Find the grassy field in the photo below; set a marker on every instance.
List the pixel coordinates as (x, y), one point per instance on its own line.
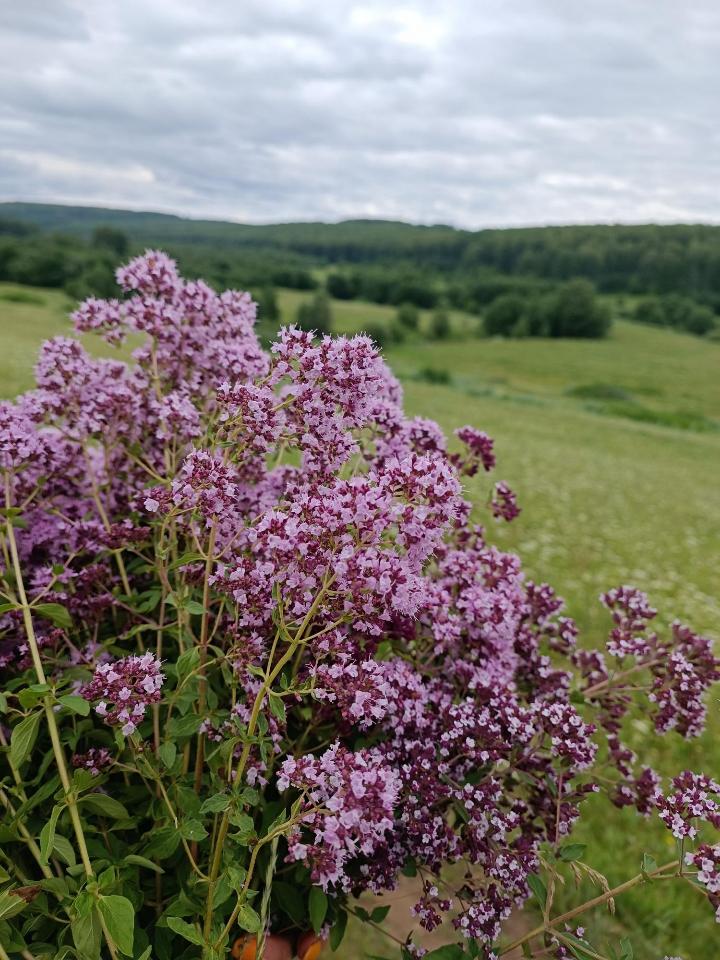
(614, 450)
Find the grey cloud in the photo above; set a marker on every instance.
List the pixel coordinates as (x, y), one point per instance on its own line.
(476, 113)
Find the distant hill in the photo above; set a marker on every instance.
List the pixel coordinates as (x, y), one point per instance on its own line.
(349, 239)
(644, 259)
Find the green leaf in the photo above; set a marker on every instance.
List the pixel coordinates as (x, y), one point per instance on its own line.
(47, 834)
(572, 851)
(65, 850)
(75, 703)
(186, 558)
(248, 919)
(87, 933)
(187, 662)
(4, 875)
(163, 843)
(216, 804)
(450, 951)
(338, 930)
(379, 914)
(105, 805)
(192, 830)
(119, 916)
(54, 612)
(192, 606)
(143, 862)
(223, 890)
(168, 752)
(29, 698)
(576, 946)
(626, 949)
(184, 726)
(185, 929)
(277, 708)
(649, 864)
(538, 888)
(149, 601)
(289, 900)
(384, 650)
(10, 904)
(236, 876)
(242, 821)
(23, 739)
(317, 907)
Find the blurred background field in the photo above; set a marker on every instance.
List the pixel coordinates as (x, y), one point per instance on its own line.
(613, 447)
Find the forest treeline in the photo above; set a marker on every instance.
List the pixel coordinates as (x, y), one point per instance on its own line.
(674, 269)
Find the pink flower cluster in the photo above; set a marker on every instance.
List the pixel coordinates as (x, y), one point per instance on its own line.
(350, 802)
(442, 676)
(707, 861)
(125, 688)
(631, 613)
(96, 760)
(480, 449)
(696, 797)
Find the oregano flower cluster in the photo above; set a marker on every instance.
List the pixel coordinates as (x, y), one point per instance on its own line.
(255, 637)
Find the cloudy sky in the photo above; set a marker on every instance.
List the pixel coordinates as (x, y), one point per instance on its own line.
(471, 112)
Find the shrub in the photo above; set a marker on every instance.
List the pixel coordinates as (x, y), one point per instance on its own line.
(678, 312)
(341, 285)
(600, 391)
(315, 315)
(503, 315)
(378, 334)
(22, 296)
(408, 316)
(268, 309)
(574, 311)
(257, 658)
(435, 375)
(440, 328)
(650, 310)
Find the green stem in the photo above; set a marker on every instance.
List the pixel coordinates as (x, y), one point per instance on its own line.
(48, 707)
(270, 678)
(202, 699)
(27, 836)
(612, 680)
(265, 903)
(269, 838)
(588, 905)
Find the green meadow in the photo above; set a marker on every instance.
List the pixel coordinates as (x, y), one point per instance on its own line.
(613, 448)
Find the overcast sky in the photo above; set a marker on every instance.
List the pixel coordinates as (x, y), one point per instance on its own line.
(468, 112)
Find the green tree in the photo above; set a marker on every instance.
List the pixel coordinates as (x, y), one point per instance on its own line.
(111, 239)
(97, 279)
(268, 310)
